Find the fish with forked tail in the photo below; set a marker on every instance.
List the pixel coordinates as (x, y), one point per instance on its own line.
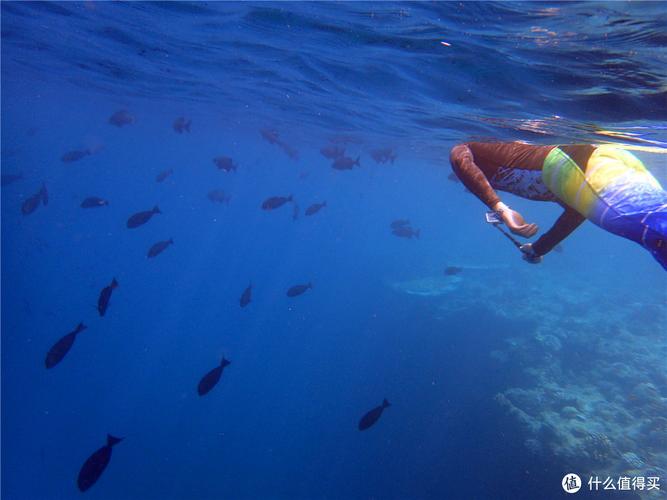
(373, 415)
(159, 247)
(225, 163)
(246, 296)
(62, 347)
(162, 176)
(121, 118)
(141, 218)
(105, 296)
(315, 207)
(181, 124)
(94, 466)
(297, 290)
(93, 202)
(31, 204)
(345, 163)
(209, 380)
(275, 202)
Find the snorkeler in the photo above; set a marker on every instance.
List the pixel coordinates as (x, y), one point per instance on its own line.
(604, 184)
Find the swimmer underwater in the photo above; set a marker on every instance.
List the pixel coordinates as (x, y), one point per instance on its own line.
(604, 184)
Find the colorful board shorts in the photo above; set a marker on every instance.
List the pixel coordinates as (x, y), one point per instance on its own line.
(614, 191)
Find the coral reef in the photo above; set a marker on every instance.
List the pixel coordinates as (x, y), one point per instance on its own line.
(595, 385)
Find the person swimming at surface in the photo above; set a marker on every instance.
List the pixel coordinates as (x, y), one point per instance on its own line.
(604, 184)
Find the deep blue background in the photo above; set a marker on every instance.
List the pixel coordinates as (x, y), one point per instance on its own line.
(282, 422)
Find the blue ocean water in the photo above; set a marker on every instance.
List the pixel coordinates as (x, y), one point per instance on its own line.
(575, 344)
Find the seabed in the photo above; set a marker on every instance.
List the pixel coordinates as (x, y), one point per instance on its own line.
(593, 363)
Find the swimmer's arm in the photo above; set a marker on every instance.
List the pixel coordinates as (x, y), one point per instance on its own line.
(569, 220)
(472, 177)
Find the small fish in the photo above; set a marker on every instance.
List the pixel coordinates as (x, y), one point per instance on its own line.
(303, 175)
(122, 118)
(93, 468)
(345, 163)
(270, 135)
(372, 416)
(62, 347)
(93, 202)
(218, 196)
(209, 380)
(8, 179)
(315, 207)
(72, 156)
(383, 155)
(181, 124)
(453, 177)
(105, 295)
(295, 212)
(297, 290)
(558, 248)
(31, 204)
(452, 270)
(289, 150)
(275, 202)
(141, 218)
(163, 175)
(159, 247)
(246, 296)
(399, 223)
(332, 152)
(406, 232)
(225, 163)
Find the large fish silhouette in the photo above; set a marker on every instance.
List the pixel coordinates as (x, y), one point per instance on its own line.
(209, 380)
(93, 468)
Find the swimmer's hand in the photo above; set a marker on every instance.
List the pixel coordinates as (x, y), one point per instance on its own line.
(529, 255)
(514, 221)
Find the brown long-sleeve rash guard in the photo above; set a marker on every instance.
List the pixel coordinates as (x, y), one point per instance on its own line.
(516, 168)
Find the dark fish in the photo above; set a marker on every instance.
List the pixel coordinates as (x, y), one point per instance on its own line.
(121, 118)
(270, 135)
(105, 295)
(218, 196)
(452, 270)
(93, 202)
(209, 380)
(405, 232)
(62, 347)
(298, 289)
(315, 207)
(332, 152)
(372, 416)
(399, 223)
(246, 296)
(71, 156)
(303, 175)
(289, 150)
(345, 163)
(275, 202)
(225, 163)
(453, 177)
(31, 204)
(159, 247)
(141, 218)
(93, 468)
(383, 155)
(295, 212)
(163, 175)
(8, 179)
(181, 124)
